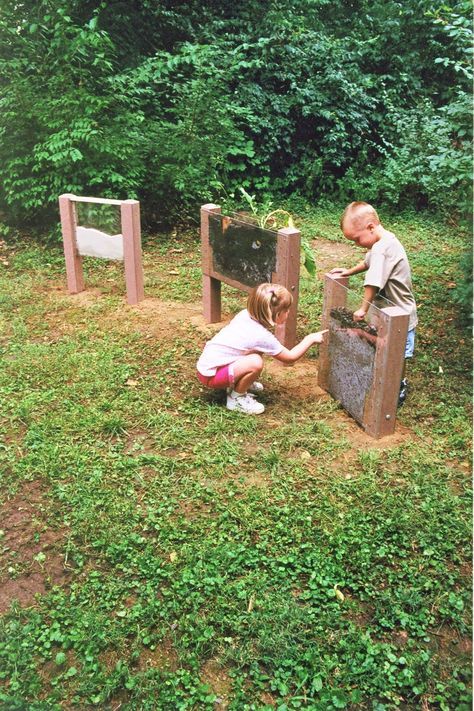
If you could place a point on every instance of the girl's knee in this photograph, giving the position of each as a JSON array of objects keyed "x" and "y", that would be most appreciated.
[
  {"x": 249, "y": 364},
  {"x": 257, "y": 362}
]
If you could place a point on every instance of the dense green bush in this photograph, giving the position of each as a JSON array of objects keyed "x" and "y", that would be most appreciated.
[
  {"x": 65, "y": 126},
  {"x": 421, "y": 163},
  {"x": 367, "y": 100},
  {"x": 424, "y": 157}
]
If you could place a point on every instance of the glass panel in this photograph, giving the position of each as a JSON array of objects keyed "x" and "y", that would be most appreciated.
[
  {"x": 241, "y": 251},
  {"x": 352, "y": 346},
  {"x": 98, "y": 232},
  {"x": 105, "y": 218}
]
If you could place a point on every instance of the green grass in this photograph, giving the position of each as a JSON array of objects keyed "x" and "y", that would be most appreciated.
[{"x": 213, "y": 561}]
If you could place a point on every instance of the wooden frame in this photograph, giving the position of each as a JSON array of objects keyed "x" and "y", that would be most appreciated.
[
  {"x": 131, "y": 233},
  {"x": 380, "y": 406},
  {"x": 287, "y": 273}
]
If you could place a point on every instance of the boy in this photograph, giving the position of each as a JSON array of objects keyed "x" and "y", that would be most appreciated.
[{"x": 388, "y": 270}]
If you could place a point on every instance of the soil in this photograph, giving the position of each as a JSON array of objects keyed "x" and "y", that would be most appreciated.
[
  {"x": 27, "y": 537},
  {"x": 334, "y": 254},
  {"x": 345, "y": 319},
  {"x": 216, "y": 677}
]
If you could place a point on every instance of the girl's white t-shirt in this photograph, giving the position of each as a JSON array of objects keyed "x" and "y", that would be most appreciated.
[{"x": 243, "y": 335}]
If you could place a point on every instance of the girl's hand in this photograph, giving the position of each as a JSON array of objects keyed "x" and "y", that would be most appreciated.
[
  {"x": 319, "y": 336},
  {"x": 288, "y": 357},
  {"x": 341, "y": 271}
]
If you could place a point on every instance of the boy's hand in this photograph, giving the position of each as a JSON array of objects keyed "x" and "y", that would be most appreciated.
[
  {"x": 359, "y": 315},
  {"x": 341, "y": 271}
]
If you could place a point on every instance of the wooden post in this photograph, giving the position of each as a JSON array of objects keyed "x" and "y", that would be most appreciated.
[
  {"x": 381, "y": 406},
  {"x": 74, "y": 275},
  {"x": 132, "y": 250},
  {"x": 211, "y": 287},
  {"x": 288, "y": 274},
  {"x": 334, "y": 297}
]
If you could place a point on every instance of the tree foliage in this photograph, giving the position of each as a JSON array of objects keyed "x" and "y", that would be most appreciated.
[{"x": 177, "y": 105}]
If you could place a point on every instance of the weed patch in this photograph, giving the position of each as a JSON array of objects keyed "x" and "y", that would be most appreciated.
[{"x": 181, "y": 557}]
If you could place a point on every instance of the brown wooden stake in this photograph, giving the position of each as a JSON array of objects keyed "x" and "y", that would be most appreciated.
[
  {"x": 380, "y": 410},
  {"x": 132, "y": 250},
  {"x": 288, "y": 274},
  {"x": 74, "y": 275},
  {"x": 211, "y": 287}
]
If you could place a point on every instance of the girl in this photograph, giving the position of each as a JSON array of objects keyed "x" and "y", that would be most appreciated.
[{"x": 232, "y": 358}]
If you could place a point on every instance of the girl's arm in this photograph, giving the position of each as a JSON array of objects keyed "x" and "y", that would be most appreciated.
[{"x": 291, "y": 356}]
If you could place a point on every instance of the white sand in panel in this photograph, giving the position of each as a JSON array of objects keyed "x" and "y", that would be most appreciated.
[{"x": 94, "y": 243}]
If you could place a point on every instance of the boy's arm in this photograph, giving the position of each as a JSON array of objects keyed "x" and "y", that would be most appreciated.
[
  {"x": 370, "y": 293},
  {"x": 361, "y": 267},
  {"x": 288, "y": 357}
]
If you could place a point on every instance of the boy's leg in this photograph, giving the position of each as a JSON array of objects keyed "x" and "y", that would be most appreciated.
[
  {"x": 402, "y": 396},
  {"x": 409, "y": 350}
]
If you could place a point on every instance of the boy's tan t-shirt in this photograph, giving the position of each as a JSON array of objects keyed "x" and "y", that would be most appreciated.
[{"x": 389, "y": 271}]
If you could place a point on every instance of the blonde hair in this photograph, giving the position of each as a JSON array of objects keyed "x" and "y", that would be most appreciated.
[
  {"x": 359, "y": 212},
  {"x": 266, "y": 301}
]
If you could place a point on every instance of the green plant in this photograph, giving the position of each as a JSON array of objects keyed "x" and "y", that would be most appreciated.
[
  {"x": 184, "y": 556},
  {"x": 202, "y": 99}
]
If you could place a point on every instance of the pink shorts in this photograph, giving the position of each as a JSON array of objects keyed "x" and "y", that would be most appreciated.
[{"x": 223, "y": 378}]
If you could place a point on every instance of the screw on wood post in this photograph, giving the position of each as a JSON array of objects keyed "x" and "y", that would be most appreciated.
[
  {"x": 287, "y": 274},
  {"x": 132, "y": 250},
  {"x": 74, "y": 275},
  {"x": 334, "y": 297},
  {"x": 381, "y": 405},
  {"x": 211, "y": 287}
]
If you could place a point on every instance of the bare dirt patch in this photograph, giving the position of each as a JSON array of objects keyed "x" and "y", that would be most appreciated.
[
  {"x": 334, "y": 254},
  {"x": 361, "y": 440},
  {"x": 300, "y": 381},
  {"x": 153, "y": 317},
  {"x": 163, "y": 657},
  {"x": 218, "y": 680},
  {"x": 191, "y": 509},
  {"x": 32, "y": 562},
  {"x": 252, "y": 478},
  {"x": 448, "y": 641}
]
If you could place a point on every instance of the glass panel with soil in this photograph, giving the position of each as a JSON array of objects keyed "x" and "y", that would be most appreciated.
[
  {"x": 352, "y": 346},
  {"x": 242, "y": 251}
]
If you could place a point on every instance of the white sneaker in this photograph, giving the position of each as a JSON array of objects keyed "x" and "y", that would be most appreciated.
[{"x": 245, "y": 403}]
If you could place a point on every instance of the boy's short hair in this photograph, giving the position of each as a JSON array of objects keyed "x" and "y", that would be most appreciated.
[{"x": 359, "y": 211}]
